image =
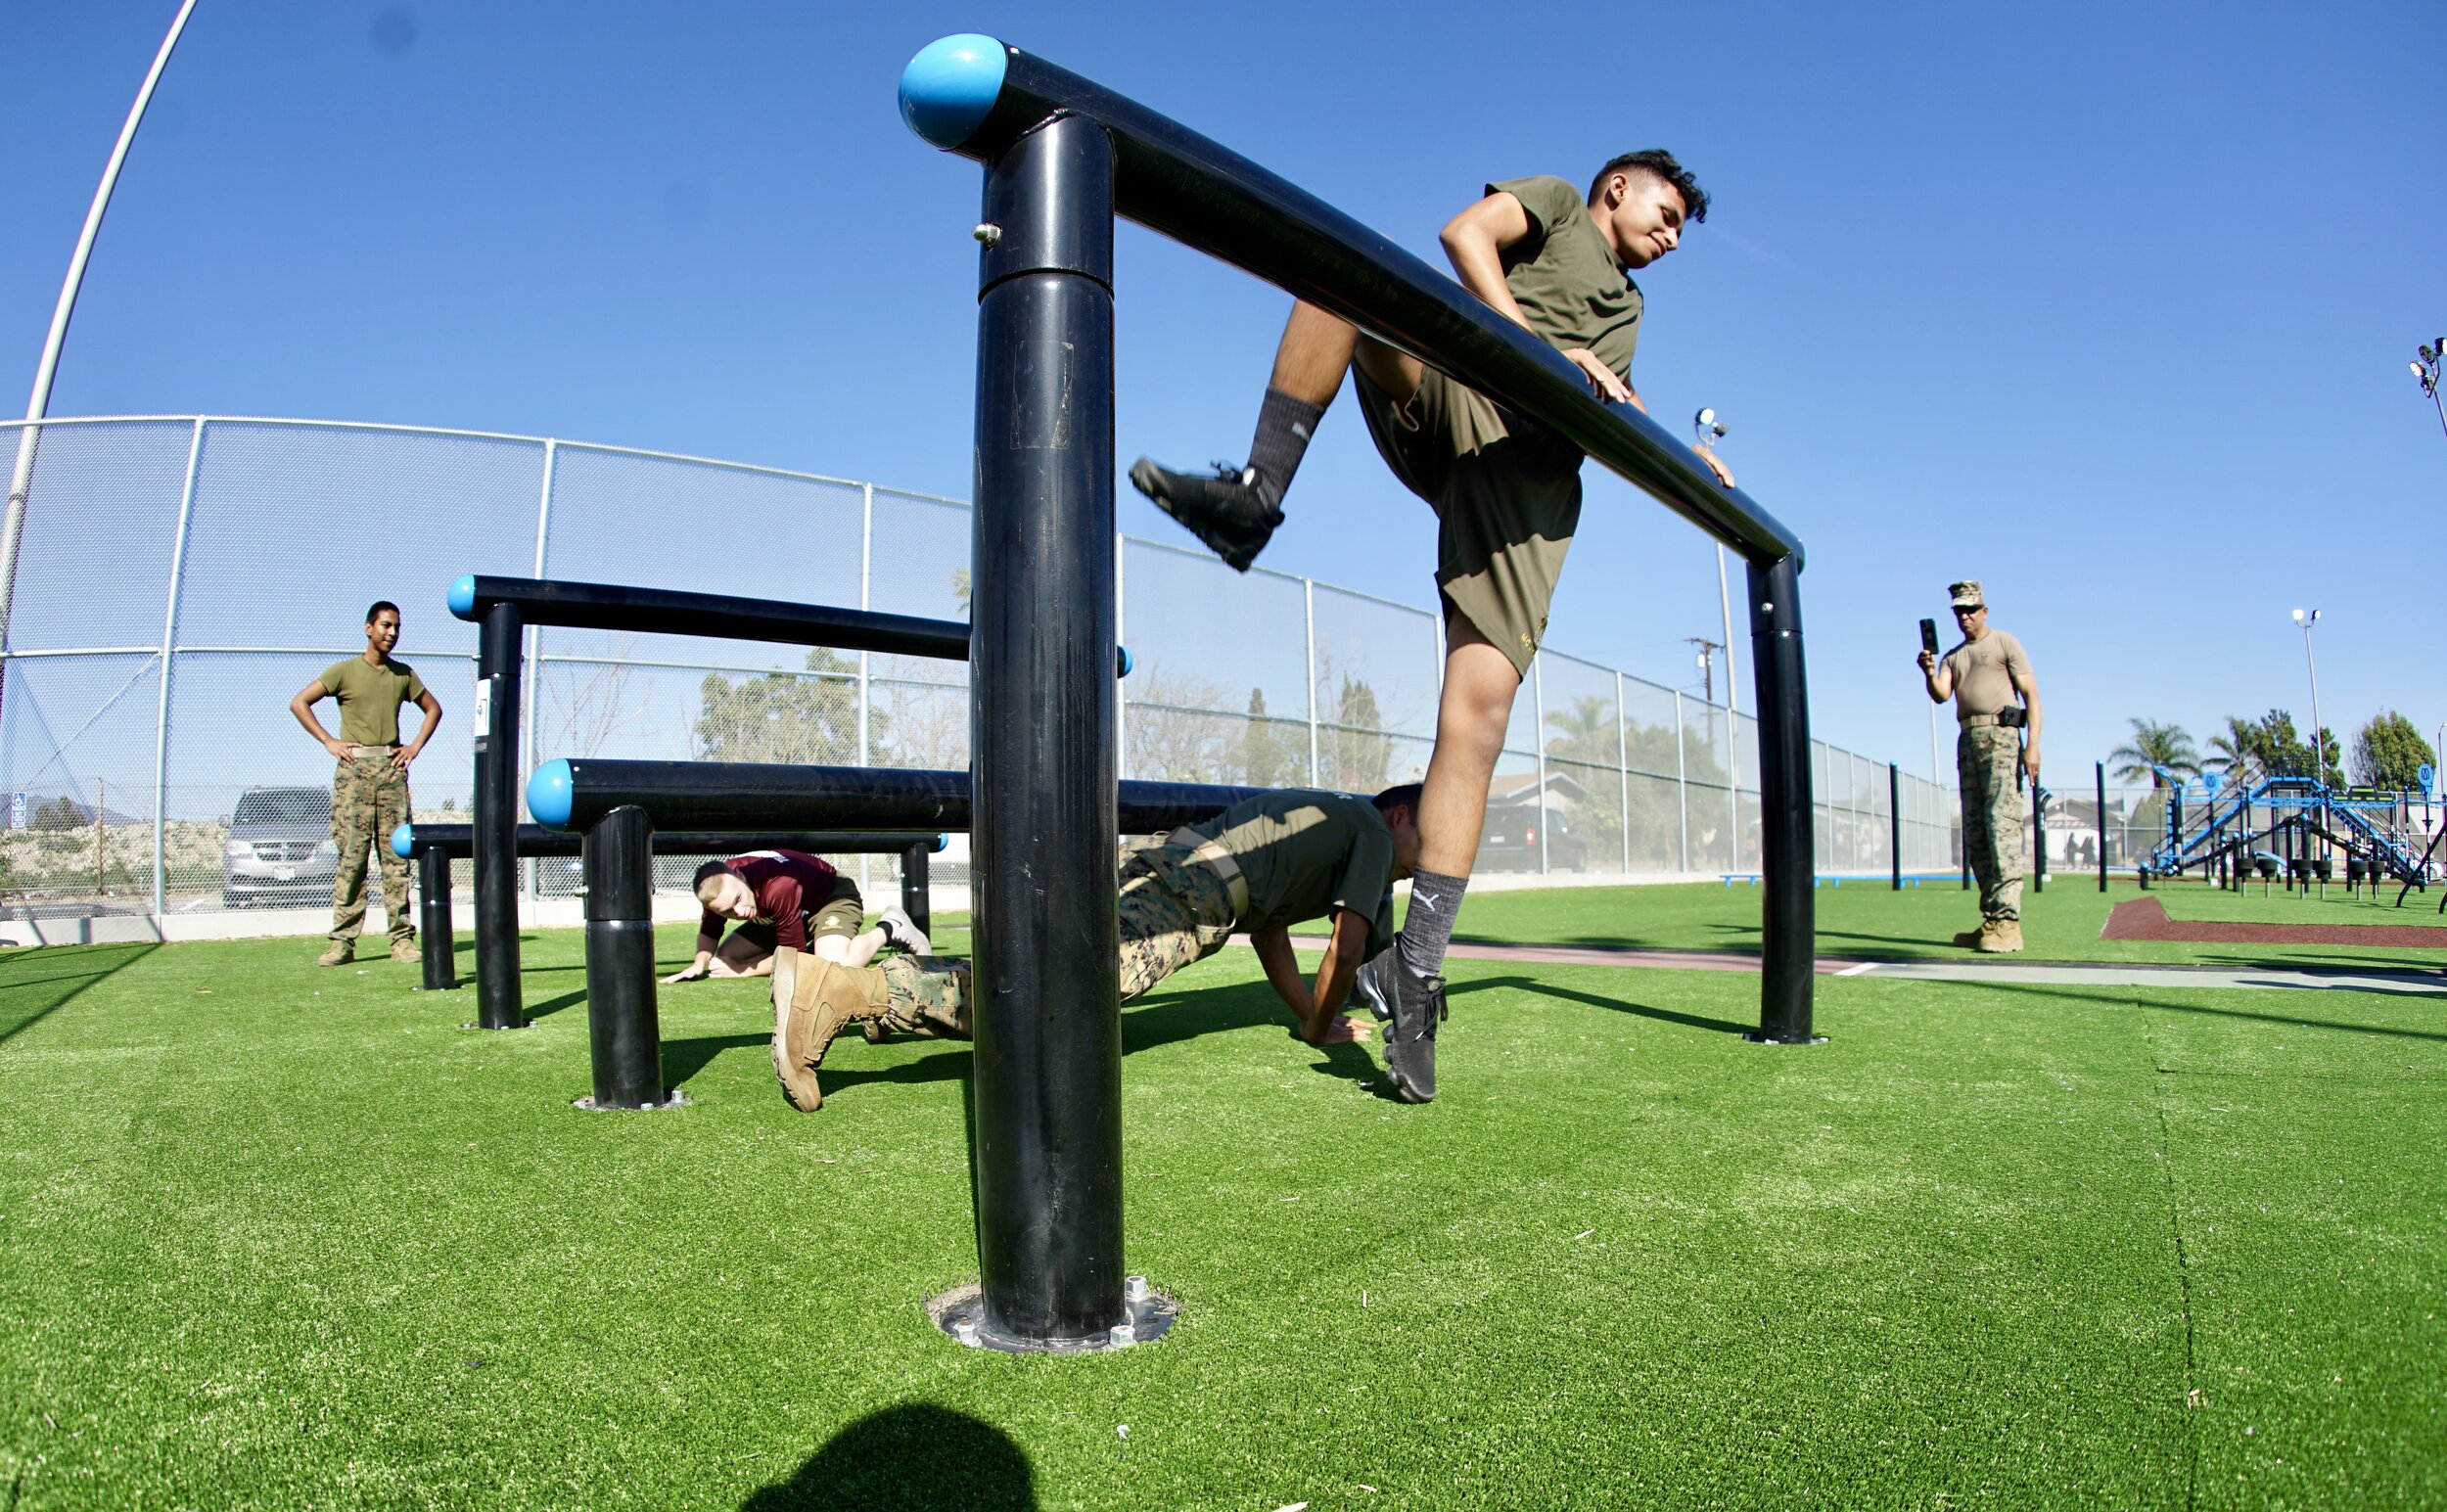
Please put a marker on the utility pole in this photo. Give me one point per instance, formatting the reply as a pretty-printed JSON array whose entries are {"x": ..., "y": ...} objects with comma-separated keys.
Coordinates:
[{"x": 1707, "y": 666}]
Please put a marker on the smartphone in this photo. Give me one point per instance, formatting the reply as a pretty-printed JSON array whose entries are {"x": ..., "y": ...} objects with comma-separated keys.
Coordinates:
[{"x": 1928, "y": 636}]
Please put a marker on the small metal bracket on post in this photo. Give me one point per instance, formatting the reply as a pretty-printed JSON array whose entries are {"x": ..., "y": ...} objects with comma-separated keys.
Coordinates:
[{"x": 1147, "y": 1316}]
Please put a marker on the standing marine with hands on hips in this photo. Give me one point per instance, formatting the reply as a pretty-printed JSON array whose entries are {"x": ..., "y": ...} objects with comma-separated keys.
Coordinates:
[{"x": 1995, "y": 698}]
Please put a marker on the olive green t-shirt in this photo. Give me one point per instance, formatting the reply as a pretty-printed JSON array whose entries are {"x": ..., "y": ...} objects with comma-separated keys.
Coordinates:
[
  {"x": 370, "y": 697},
  {"x": 1566, "y": 278},
  {"x": 1983, "y": 671},
  {"x": 1305, "y": 854}
]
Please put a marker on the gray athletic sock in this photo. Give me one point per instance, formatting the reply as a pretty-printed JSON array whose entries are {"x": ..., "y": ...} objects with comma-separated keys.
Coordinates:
[
  {"x": 1284, "y": 426},
  {"x": 1428, "y": 929}
]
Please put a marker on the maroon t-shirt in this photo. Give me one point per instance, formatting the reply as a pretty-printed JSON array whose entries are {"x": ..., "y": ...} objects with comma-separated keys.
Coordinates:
[{"x": 787, "y": 885}]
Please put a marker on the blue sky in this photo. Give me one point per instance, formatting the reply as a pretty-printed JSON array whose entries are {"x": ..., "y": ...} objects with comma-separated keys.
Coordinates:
[{"x": 2107, "y": 305}]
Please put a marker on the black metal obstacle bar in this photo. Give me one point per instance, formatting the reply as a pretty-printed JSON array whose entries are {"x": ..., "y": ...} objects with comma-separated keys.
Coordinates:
[
  {"x": 1064, "y": 155},
  {"x": 502, "y": 607}
]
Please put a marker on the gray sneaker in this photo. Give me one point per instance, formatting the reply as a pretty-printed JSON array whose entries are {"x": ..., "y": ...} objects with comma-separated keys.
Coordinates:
[
  {"x": 1414, "y": 1005},
  {"x": 902, "y": 930}
]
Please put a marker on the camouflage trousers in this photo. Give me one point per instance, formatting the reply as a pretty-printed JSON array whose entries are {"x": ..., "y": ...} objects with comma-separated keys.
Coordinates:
[
  {"x": 1988, "y": 759},
  {"x": 1175, "y": 909},
  {"x": 369, "y": 799}
]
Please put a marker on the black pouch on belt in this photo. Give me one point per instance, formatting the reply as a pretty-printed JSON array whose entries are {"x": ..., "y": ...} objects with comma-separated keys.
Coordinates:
[{"x": 2013, "y": 719}]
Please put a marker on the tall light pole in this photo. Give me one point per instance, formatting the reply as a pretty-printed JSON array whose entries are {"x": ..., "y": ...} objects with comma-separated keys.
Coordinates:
[
  {"x": 1710, "y": 431},
  {"x": 2318, "y": 740},
  {"x": 2425, "y": 372},
  {"x": 38, "y": 404}
]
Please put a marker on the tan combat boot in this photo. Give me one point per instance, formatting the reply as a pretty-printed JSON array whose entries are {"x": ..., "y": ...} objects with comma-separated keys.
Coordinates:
[
  {"x": 2004, "y": 937},
  {"x": 1971, "y": 940},
  {"x": 404, "y": 948},
  {"x": 341, "y": 954},
  {"x": 813, "y": 1000}
]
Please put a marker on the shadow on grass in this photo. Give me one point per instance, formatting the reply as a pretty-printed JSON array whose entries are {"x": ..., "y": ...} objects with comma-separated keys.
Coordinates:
[
  {"x": 916, "y": 1457},
  {"x": 1540, "y": 988},
  {"x": 552, "y": 1005},
  {"x": 2108, "y": 996},
  {"x": 684, "y": 1058},
  {"x": 24, "y": 1004}
]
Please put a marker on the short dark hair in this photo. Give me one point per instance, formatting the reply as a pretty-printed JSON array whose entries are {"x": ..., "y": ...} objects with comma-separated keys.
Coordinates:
[
  {"x": 378, "y": 606},
  {"x": 1657, "y": 164},
  {"x": 1401, "y": 796},
  {"x": 710, "y": 869}
]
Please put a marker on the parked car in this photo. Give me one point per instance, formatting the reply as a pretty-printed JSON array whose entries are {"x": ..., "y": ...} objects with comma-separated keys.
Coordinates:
[
  {"x": 280, "y": 849},
  {"x": 1510, "y": 839}
]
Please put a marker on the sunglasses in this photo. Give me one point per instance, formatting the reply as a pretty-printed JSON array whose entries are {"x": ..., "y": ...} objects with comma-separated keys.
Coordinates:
[{"x": 1967, "y": 609}]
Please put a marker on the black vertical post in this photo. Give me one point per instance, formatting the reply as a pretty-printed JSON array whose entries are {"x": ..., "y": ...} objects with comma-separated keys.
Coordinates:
[
  {"x": 1045, "y": 1112},
  {"x": 2102, "y": 826},
  {"x": 496, "y": 818},
  {"x": 914, "y": 891},
  {"x": 1787, "y": 926},
  {"x": 1894, "y": 822},
  {"x": 2039, "y": 836},
  {"x": 433, "y": 890},
  {"x": 623, "y": 1031}
]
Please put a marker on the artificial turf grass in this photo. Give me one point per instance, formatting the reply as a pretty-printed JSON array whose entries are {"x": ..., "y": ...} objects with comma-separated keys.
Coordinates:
[
  {"x": 253, "y": 1245},
  {"x": 1867, "y": 920}
]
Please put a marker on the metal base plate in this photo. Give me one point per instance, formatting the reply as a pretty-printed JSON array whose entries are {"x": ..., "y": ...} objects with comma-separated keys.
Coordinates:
[
  {"x": 675, "y": 1098},
  {"x": 521, "y": 1024},
  {"x": 961, "y": 1313},
  {"x": 1757, "y": 1038}
]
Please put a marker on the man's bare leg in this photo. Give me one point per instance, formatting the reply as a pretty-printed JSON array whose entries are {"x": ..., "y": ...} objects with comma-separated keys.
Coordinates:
[
  {"x": 1235, "y": 512},
  {"x": 1480, "y": 684}
]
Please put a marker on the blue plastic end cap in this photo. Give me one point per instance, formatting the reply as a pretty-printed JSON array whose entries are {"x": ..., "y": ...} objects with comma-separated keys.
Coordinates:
[
  {"x": 551, "y": 794},
  {"x": 404, "y": 841},
  {"x": 1127, "y": 662},
  {"x": 463, "y": 597},
  {"x": 949, "y": 87},
  {"x": 942, "y": 841}
]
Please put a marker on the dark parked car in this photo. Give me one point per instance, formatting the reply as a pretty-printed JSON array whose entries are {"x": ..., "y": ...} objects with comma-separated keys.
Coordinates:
[
  {"x": 280, "y": 849},
  {"x": 1509, "y": 841}
]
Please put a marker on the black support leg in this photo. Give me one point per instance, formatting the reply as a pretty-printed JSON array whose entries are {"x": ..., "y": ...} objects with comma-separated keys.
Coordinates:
[
  {"x": 915, "y": 901},
  {"x": 1789, "y": 927},
  {"x": 623, "y": 1029},
  {"x": 1046, "y": 1151},
  {"x": 498, "y": 1003},
  {"x": 433, "y": 890}
]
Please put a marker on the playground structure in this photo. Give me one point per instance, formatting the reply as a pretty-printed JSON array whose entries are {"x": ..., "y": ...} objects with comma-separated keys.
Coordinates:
[
  {"x": 1062, "y": 157},
  {"x": 434, "y": 847},
  {"x": 2249, "y": 822}
]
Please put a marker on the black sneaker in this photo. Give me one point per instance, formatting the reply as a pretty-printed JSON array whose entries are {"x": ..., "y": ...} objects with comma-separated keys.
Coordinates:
[
  {"x": 1228, "y": 512},
  {"x": 1416, "y": 1005},
  {"x": 1373, "y": 988}
]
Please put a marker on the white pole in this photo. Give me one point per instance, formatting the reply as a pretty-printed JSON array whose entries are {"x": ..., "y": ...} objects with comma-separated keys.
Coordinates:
[
  {"x": 169, "y": 634},
  {"x": 1733, "y": 725},
  {"x": 535, "y": 654},
  {"x": 1538, "y": 714},
  {"x": 39, "y": 404},
  {"x": 1307, "y": 600},
  {"x": 866, "y": 691}
]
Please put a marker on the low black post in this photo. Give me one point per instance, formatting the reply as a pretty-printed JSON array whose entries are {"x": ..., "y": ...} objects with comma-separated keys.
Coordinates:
[
  {"x": 1787, "y": 868},
  {"x": 1894, "y": 822},
  {"x": 2102, "y": 826},
  {"x": 436, "y": 949},
  {"x": 496, "y": 839},
  {"x": 913, "y": 893},
  {"x": 1045, "y": 1153},
  {"x": 623, "y": 1031}
]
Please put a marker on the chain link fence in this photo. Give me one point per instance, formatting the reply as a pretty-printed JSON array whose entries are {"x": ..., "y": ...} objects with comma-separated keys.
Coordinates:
[{"x": 180, "y": 578}]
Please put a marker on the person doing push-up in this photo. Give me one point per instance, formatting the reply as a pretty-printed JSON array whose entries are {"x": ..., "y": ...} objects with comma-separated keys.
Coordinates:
[
  {"x": 1259, "y": 866},
  {"x": 1505, "y": 491}
]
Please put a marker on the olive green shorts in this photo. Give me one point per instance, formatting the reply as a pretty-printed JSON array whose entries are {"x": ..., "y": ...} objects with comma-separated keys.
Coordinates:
[{"x": 1507, "y": 497}]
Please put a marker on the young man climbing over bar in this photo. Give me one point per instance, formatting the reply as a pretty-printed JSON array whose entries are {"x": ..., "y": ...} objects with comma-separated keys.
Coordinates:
[
  {"x": 1506, "y": 494},
  {"x": 1259, "y": 866}
]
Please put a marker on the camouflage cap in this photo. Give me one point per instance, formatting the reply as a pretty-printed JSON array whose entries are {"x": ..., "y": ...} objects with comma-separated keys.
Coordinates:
[{"x": 1966, "y": 593}]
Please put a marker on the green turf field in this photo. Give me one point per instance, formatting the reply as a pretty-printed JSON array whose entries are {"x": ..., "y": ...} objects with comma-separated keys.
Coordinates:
[
  {"x": 275, "y": 1236},
  {"x": 1865, "y": 918}
]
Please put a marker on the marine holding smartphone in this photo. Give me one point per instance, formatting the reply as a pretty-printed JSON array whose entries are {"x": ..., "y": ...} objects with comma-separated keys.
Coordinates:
[{"x": 1996, "y": 703}]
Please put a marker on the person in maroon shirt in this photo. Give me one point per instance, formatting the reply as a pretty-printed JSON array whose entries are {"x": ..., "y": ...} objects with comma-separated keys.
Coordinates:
[{"x": 786, "y": 897}]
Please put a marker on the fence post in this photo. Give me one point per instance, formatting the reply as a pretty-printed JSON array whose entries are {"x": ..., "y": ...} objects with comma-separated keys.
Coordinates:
[
  {"x": 1894, "y": 822},
  {"x": 1623, "y": 767},
  {"x": 866, "y": 688},
  {"x": 1681, "y": 780},
  {"x": 1308, "y": 612},
  {"x": 536, "y": 654},
  {"x": 1122, "y": 634},
  {"x": 1787, "y": 926},
  {"x": 2102, "y": 826},
  {"x": 1046, "y": 1094},
  {"x": 169, "y": 636}
]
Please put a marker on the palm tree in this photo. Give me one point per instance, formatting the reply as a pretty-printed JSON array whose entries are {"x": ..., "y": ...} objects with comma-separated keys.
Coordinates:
[
  {"x": 2154, "y": 750},
  {"x": 2237, "y": 744}
]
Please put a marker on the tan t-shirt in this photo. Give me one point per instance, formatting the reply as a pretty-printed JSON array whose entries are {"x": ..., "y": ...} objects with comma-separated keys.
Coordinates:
[
  {"x": 1981, "y": 671},
  {"x": 370, "y": 697},
  {"x": 1305, "y": 854}
]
